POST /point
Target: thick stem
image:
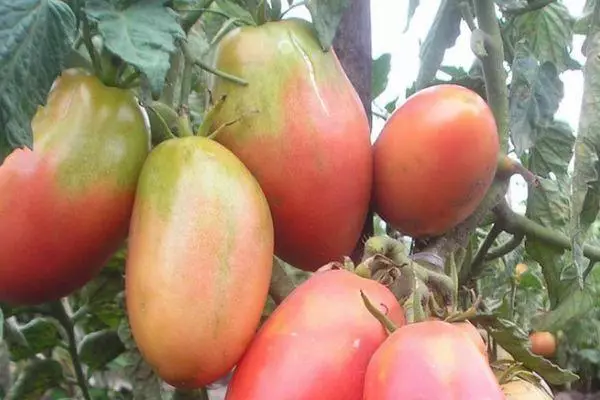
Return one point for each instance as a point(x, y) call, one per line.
point(172, 79)
point(515, 223)
point(479, 259)
point(60, 313)
point(493, 68)
point(281, 283)
point(186, 80)
point(193, 16)
point(87, 39)
point(505, 248)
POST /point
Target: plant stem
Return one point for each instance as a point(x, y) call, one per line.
point(505, 248)
point(172, 78)
point(513, 298)
point(467, 15)
point(281, 284)
point(193, 16)
point(221, 74)
point(516, 224)
point(186, 80)
point(493, 68)
point(60, 313)
point(200, 394)
point(589, 268)
point(87, 39)
point(479, 259)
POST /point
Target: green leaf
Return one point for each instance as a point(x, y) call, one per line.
point(40, 334)
point(412, 8)
point(35, 38)
point(36, 378)
point(143, 34)
point(575, 305)
point(234, 10)
point(535, 94)
point(585, 184)
point(381, 70)
point(326, 16)
point(391, 106)
point(548, 205)
point(99, 348)
point(516, 342)
point(547, 31)
point(442, 35)
point(145, 383)
point(553, 149)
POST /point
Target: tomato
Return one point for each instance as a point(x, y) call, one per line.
point(317, 343)
point(430, 360)
point(520, 269)
point(474, 335)
point(65, 206)
point(434, 160)
point(303, 133)
point(543, 343)
point(199, 262)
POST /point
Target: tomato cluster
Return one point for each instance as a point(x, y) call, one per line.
point(204, 217)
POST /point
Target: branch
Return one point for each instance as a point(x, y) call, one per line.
point(519, 224)
point(505, 248)
point(493, 68)
point(281, 284)
point(533, 6)
point(479, 259)
point(60, 313)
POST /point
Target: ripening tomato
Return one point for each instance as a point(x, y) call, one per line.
point(317, 343)
point(543, 343)
point(302, 131)
point(430, 360)
point(434, 160)
point(65, 206)
point(199, 262)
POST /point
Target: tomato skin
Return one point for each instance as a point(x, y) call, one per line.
point(434, 160)
point(65, 206)
point(317, 343)
point(430, 360)
point(304, 135)
point(543, 343)
point(199, 260)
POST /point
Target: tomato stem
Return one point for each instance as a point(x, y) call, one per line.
point(383, 319)
point(281, 284)
point(87, 40)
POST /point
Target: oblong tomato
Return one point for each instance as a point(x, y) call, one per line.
point(199, 260)
point(317, 343)
point(430, 360)
point(434, 160)
point(65, 206)
point(303, 133)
